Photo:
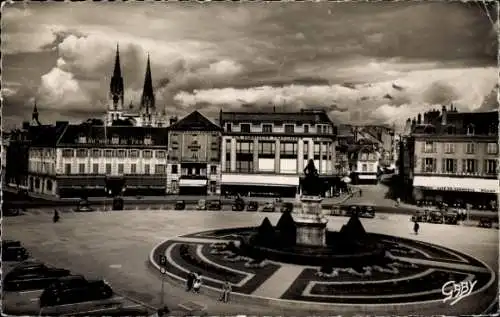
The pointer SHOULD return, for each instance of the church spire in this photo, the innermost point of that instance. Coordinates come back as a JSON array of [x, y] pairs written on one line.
[[116, 86], [34, 115], [148, 97]]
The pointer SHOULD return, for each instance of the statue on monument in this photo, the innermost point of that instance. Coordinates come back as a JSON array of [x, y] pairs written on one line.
[[312, 186]]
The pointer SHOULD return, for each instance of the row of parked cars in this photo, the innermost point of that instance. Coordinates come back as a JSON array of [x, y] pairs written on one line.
[[362, 211], [59, 286], [238, 205], [444, 216]]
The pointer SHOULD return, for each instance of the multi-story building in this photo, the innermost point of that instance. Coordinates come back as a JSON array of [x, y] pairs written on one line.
[[455, 157], [266, 153], [85, 160], [364, 162], [194, 156]]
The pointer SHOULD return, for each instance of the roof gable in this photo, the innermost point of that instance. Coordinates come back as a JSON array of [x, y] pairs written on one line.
[[195, 121]]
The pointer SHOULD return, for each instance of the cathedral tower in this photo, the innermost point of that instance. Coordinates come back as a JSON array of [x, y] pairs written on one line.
[[116, 92], [147, 108], [34, 116]]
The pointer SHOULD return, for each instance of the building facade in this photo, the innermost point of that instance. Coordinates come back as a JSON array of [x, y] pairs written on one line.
[[364, 160], [194, 156], [266, 153], [455, 157], [85, 161]]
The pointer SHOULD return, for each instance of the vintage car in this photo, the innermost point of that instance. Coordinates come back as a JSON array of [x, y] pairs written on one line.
[[83, 206], [451, 218], [336, 211], [286, 207], [435, 217], [485, 222], [367, 212], [14, 254], [201, 205], [180, 205], [269, 207], [75, 290], [238, 204], [253, 206], [32, 277], [214, 205], [352, 211], [419, 216]]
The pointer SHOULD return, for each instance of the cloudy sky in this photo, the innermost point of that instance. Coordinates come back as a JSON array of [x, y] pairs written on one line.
[[364, 62]]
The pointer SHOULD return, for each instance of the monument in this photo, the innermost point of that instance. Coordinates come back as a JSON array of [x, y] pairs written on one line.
[[309, 220]]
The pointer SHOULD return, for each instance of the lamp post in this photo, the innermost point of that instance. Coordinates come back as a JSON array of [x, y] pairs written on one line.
[[163, 271]]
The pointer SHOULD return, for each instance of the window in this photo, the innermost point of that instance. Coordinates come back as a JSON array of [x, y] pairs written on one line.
[[133, 168], [449, 166], [267, 128], [429, 165], [492, 129], [470, 166], [121, 153], [229, 127], [81, 153], [318, 128], [160, 169], [68, 153], [492, 148], [244, 147], [289, 128], [288, 148], [450, 129], [108, 168], [108, 153], [245, 127], [95, 168], [213, 169], [81, 168], [316, 149], [469, 148], [174, 169], [364, 156], [470, 129], [147, 154], [213, 186], [160, 154], [133, 154], [325, 129], [267, 147], [82, 139], [449, 148], [244, 166], [306, 128], [147, 140], [429, 147], [96, 153], [67, 169], [115, 139], [175, 185], [37, 183], [49, 185], [491, 167], [120, 168], [147, 169], [364, 167]]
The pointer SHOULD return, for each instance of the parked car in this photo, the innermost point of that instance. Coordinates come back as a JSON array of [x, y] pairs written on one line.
[[180, 205], [83, 206], [15, 254], [32, 278], [10, 243], [238, 205], [352, 211], [214, 205], [435, 217], [286, 207], [10, 211], [451, 218], [269, 207], [118, 203], [419, 216], [75, 290], [253, 206], [367, 212], [336, 211], [485, 222], [201, 205]]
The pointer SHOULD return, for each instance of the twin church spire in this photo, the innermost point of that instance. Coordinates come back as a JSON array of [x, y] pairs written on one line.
[[117, 90]]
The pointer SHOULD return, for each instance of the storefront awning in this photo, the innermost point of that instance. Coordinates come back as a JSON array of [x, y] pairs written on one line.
[[479, 185], [260, 180], [367, 176], [192, 182]]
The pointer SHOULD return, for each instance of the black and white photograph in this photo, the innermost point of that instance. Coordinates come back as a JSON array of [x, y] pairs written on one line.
[[198, 158]]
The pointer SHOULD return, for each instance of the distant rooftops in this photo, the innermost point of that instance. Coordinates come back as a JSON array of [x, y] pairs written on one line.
[[313, 116]]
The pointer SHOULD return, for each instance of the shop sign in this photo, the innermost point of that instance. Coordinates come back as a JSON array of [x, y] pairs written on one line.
[[460, 189]]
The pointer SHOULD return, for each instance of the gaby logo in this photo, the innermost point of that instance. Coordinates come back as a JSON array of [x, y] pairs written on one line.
[[455, 291]]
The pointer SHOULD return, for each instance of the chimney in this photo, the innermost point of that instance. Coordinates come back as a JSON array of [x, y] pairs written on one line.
[[444, 116], [419, 119]]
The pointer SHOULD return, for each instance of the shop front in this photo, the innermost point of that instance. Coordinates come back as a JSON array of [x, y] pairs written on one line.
[[255, 185], [193, 187], [474, 191]]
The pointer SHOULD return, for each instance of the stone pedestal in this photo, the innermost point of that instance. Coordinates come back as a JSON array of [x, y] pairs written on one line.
[[310, 222]]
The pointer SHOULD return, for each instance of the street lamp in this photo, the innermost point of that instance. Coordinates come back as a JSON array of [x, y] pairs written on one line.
[[163, 271]]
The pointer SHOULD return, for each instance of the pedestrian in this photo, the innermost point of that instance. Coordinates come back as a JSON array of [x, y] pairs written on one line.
[[197, 283], [416, 226], [56, 216], [360, 193], [398, 201], [226, 290], [190, 281]]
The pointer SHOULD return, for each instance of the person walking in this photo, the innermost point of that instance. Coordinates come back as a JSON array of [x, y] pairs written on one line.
[[226, 290], [190, 281], [416, 227], [197, 283], [56, 217], [360, 192]]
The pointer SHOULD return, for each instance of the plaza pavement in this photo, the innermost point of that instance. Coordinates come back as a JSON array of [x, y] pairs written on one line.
[[116, 246]]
